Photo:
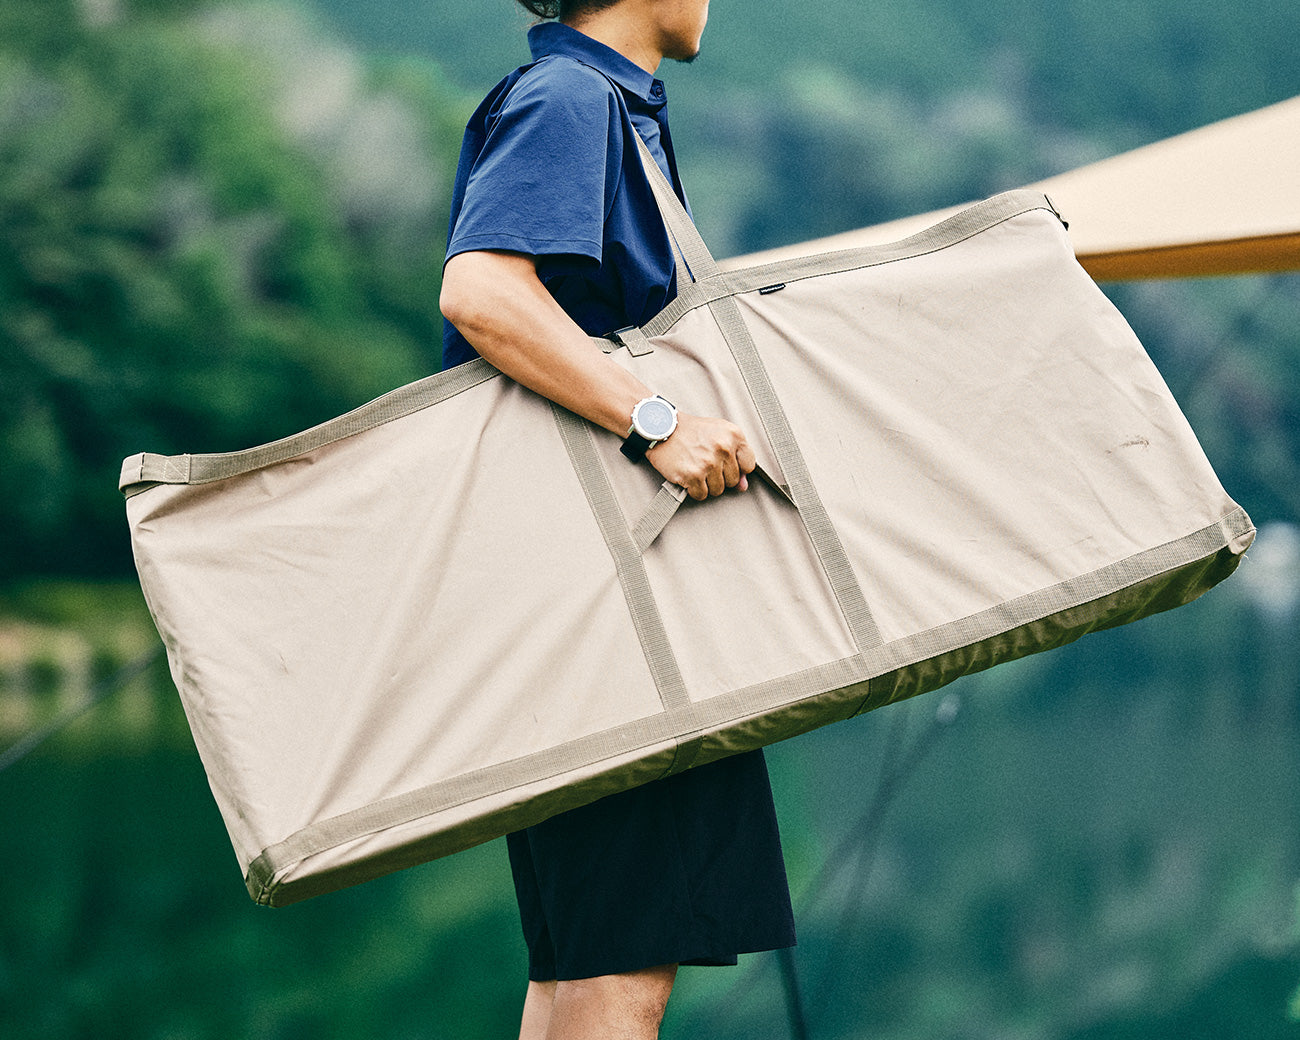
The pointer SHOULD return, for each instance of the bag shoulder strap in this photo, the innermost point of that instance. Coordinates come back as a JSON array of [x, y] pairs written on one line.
[[693, 257]]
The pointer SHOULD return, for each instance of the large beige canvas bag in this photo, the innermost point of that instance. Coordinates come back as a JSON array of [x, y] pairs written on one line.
[[458, 610]]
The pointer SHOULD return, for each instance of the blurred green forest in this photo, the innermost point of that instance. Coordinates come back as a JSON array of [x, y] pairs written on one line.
[[222, 222], [218, 225]]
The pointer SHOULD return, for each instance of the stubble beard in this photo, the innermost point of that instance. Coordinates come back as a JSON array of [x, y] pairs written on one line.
[[685, 59]]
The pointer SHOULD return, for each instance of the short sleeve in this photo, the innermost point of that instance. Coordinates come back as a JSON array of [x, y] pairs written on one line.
[[544, 180]]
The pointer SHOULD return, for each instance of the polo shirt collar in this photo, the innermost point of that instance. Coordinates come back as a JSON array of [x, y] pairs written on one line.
[[557, 38]]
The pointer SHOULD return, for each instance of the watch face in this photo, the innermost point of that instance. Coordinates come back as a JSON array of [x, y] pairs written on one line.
[[655, 419]]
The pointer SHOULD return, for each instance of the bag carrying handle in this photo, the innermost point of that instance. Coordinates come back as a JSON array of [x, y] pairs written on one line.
[[694, 263]]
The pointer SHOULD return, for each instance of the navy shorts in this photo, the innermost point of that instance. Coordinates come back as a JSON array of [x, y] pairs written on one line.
[[684, 870]]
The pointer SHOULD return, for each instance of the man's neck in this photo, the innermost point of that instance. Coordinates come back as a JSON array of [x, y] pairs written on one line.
[[627, 28]]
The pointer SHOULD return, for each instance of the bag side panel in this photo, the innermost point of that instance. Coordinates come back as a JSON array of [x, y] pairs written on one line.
[[385, 613], [981, 423]]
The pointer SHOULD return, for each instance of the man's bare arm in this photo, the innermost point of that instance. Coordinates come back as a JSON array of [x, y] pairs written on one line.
[[500, 306]]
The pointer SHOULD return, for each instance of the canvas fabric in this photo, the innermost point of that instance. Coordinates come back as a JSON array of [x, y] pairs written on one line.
[[459, 609]]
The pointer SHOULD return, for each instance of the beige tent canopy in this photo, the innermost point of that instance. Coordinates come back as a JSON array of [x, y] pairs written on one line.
[[1224, 199]]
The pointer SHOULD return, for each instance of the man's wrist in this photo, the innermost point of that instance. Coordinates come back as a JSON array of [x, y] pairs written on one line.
[[653, 421]]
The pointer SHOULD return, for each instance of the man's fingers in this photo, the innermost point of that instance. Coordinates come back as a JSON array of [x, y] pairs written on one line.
[[730, 471], [736, 466], [705, 456]]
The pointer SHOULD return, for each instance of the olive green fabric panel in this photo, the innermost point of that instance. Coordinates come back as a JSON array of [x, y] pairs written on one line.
[[757, 717]]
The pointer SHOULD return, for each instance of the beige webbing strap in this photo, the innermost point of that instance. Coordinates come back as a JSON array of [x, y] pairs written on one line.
[[409, 806], [817, 522], [145, 470], [670, 496], [731, 322], [969, 222], [984, 637], [661, 509], [679, 261], [576, 434], [633, 340], [688, 246], [1167, 560], [626, 548]]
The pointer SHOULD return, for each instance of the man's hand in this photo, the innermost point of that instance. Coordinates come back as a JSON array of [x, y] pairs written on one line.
[[498, 303], [705, 456]]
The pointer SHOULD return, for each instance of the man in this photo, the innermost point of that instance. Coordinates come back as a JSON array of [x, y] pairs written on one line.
[[555, 237]]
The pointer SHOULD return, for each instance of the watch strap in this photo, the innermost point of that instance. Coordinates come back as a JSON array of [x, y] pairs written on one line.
[[635, 446]]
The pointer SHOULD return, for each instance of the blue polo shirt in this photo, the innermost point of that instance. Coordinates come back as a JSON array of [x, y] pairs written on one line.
[[549, 168]]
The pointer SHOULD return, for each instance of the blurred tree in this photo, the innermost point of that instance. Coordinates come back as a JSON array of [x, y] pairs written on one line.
[[1230, 350], [216, 228]]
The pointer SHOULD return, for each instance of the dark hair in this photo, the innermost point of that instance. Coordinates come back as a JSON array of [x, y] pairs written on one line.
[[564, 9]]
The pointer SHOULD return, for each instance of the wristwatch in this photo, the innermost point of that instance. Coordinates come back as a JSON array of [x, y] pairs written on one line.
[[653, 420]]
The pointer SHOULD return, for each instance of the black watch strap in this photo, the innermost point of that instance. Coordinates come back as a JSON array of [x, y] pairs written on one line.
[[635, 446]]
